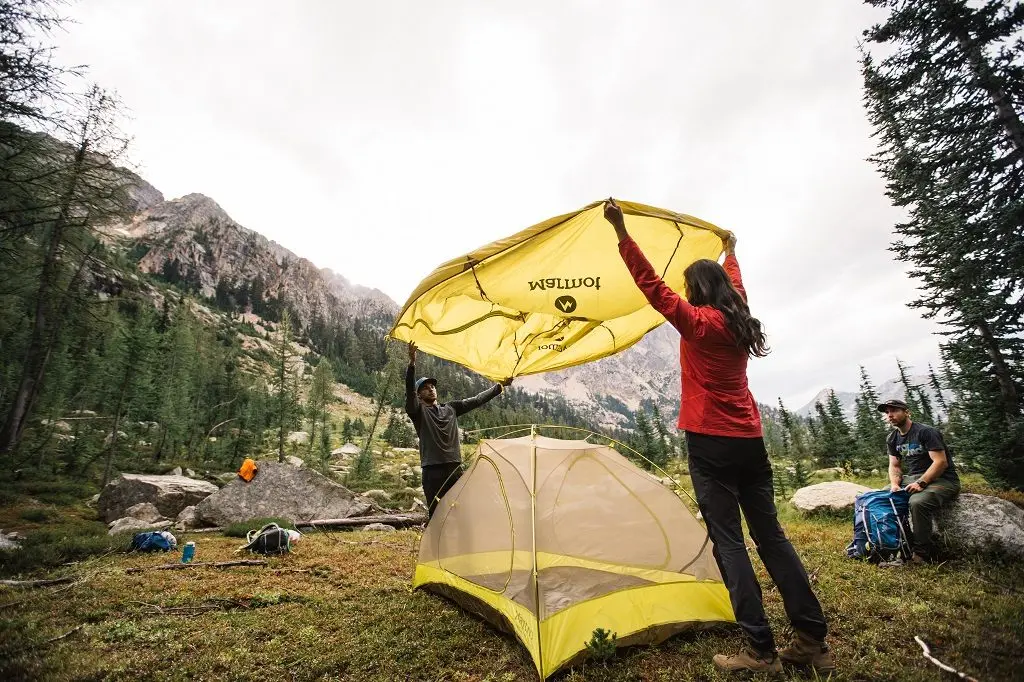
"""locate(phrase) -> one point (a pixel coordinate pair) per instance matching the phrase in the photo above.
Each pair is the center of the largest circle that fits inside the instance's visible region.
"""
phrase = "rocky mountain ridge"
(192, 240)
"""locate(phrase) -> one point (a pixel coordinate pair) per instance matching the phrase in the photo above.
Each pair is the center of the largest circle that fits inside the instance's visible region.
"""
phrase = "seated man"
(930, 476)
(438, 429)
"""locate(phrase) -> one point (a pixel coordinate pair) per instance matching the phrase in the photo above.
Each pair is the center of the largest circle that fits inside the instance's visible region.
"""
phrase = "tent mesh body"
(550, 539)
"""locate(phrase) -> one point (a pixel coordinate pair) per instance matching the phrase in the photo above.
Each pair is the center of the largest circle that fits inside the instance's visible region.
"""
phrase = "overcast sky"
(381, 138)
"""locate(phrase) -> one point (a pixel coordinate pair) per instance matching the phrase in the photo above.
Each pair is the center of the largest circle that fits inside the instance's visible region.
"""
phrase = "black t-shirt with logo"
(912, 448)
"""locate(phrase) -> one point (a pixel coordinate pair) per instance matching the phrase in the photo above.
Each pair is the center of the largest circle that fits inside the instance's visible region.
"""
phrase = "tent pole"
(533, 535)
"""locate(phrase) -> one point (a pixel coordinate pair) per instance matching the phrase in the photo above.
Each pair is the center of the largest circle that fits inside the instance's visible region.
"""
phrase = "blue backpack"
(881, 526)
(153, 541)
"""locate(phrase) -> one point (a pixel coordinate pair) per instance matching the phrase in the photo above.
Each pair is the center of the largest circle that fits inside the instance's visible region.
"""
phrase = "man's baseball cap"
(425, 380)
(895, 404)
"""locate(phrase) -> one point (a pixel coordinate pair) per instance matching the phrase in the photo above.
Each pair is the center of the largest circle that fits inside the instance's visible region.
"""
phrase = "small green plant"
(36, 515)
(601, 646)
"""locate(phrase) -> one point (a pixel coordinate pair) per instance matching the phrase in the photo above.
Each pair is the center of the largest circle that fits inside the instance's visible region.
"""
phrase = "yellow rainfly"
(554, 295)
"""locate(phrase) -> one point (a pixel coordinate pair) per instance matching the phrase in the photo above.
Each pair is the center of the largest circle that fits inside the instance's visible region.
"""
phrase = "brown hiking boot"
(747, 660)
(807, 651)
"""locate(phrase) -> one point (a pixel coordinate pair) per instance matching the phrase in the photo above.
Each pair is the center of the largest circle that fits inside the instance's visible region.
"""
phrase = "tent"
(550, 539)
(552, 296)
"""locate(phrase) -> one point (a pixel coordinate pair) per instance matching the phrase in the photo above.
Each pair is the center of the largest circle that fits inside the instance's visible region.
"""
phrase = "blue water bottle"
(188, 552)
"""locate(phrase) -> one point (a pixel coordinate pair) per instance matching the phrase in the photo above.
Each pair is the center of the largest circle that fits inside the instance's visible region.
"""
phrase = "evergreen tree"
(946, 100)
(917, 400)
(801, 478)
(286, 402)
(58, 202)
(645, 440)
(665, 449)
(869, 430)
(321, 395)
(937, 388)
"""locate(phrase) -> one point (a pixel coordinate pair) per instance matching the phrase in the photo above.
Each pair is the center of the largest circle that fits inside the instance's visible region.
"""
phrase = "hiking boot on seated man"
(921, 464)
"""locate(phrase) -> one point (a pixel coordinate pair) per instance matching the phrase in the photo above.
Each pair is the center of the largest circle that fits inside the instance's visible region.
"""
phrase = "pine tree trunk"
(117, 422)
(1007, 390)
(312, 433)
(982, 70)
(37, 355)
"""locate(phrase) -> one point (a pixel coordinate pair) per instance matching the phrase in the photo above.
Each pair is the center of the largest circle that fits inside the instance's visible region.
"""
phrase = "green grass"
(340, 607)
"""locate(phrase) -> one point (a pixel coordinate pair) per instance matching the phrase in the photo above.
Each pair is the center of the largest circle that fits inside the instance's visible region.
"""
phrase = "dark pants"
(437, 479)
(924, 506)
(730, 474)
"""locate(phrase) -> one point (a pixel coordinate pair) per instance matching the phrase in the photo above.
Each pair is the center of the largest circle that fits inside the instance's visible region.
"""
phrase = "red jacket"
(715, 398)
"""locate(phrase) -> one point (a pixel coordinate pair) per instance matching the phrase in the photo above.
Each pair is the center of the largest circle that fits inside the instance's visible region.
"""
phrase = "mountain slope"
(193, 241)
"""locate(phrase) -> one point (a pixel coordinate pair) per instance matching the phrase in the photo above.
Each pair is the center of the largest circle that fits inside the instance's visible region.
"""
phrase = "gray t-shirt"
(913, 447)
(437, 424)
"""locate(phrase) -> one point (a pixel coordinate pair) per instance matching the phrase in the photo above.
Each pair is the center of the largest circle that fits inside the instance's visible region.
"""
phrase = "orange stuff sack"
(248, 470)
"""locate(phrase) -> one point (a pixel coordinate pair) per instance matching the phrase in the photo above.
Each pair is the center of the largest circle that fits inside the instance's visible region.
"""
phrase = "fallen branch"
(47, 641)
(198, 564)
(202, 530)
(397, 520)
(69, 632)
(940, 664)
(35, 583)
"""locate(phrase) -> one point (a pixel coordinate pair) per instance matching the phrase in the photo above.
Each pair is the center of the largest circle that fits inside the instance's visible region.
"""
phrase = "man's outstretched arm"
(464, 406)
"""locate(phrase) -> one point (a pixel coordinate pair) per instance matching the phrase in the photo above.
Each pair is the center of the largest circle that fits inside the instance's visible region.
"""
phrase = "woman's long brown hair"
(708, 284)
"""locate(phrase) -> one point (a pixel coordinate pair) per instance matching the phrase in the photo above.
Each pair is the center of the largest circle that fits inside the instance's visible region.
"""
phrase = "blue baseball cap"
(425, 380)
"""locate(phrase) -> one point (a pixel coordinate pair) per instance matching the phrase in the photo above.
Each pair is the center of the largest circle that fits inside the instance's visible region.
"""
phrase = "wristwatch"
(922, 484)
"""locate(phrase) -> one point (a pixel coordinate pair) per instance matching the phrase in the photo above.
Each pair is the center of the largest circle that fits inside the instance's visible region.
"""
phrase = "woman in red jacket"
(728, 463)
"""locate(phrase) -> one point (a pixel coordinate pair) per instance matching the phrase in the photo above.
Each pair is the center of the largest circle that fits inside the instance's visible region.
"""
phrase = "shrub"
(57, 545)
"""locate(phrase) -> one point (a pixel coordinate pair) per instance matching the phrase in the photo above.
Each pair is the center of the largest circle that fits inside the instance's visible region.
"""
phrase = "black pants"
(437, 479)
(730, 474)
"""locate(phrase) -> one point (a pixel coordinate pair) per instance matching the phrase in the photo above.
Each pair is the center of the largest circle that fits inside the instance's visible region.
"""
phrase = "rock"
(129, 524)
(294, 461)
(379, 527)
(833, 496)
(176, 471)
(93, 500)
(298, 437)
(283, 491)
(190, 473)
(8, 542)
(121, 435)
(378, 496)
(144, 511)
(347, 449)
(829, 473)
(169, 494)
(187, 519)
(980, 522)
(226, 477)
